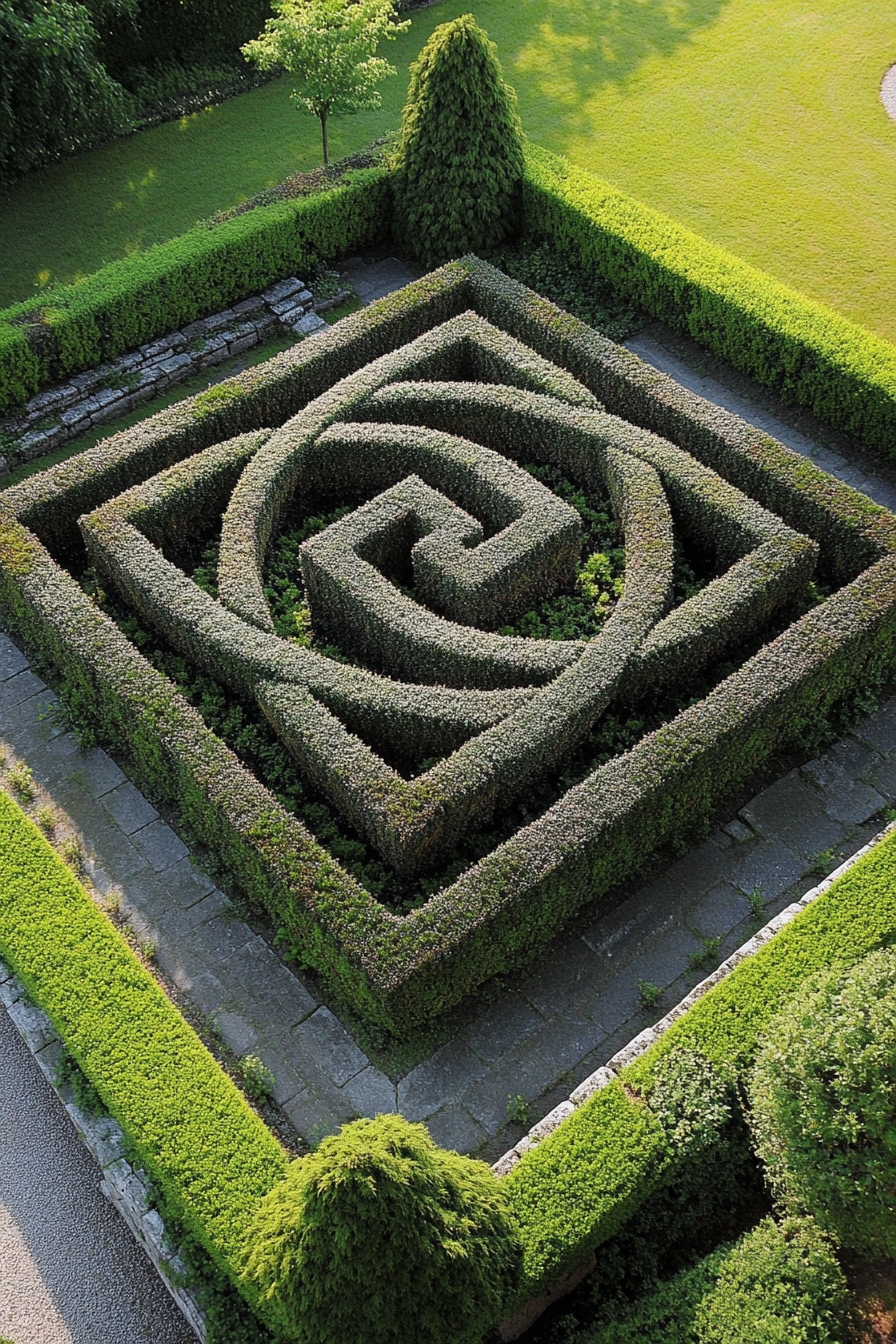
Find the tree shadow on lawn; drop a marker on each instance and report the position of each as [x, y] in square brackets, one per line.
[569, 49]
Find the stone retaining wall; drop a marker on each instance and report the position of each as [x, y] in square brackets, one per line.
[60, 414]
[124, 1185]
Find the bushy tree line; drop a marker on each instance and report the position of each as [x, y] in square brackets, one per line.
[56, 95]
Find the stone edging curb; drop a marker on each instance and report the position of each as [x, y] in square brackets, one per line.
[642, 1042]
[128, 1188]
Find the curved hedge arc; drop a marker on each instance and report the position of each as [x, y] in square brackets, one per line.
[504, 909]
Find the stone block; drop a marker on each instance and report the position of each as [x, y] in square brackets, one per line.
[455, 1129]
[243, 343]
[441, 1079]
[505, 1165]
[595, 1082]
[308, 325]
[12, 660]
[175, 364]
[550, 1122]
[11, 991]
[371, 1092]
[325, 1040]
[770, 865]
[129, 807]
[32, 1024]
[282, 290]
[633, 1050]
[501, 1026]
[159, 845]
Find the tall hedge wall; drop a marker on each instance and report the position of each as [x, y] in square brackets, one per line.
[504, 910]
[805, 351]
[73, 327]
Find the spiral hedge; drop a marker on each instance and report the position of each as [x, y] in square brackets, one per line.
[424, 407]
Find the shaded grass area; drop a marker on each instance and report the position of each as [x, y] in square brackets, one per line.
[755, 122]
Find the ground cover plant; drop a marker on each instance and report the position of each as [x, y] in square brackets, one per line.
[772, 105]
[474, 705]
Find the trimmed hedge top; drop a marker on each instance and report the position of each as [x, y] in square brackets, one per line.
[198, 1138]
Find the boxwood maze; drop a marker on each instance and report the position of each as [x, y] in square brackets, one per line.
[423, 716]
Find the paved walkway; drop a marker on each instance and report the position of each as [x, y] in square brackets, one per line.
[70, 1273]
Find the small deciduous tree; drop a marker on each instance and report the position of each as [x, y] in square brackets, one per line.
[380, 1236]
[329, 46]
[459, 162]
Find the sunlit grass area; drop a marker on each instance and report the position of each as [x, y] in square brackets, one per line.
[755, 122]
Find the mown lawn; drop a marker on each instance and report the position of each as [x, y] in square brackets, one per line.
[756, 122]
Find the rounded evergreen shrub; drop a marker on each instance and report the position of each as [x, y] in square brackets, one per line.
[459, 161]
[823, 1095]
[381, 1236]
[780, 1284]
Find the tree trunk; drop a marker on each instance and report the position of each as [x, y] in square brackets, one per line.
[323, 134]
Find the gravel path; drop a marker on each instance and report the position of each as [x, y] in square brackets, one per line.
[888, 92]
[70, 1271]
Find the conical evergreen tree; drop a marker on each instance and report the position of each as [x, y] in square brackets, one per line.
[459, 160]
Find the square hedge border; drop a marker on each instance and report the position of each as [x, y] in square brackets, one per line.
[505, 910]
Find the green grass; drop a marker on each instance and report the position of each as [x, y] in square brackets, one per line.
[755, 122]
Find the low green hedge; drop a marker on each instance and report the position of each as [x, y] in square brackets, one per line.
[505, 909]
[209, 1153]
[73, 327]
[613, 1138]
[808, 353]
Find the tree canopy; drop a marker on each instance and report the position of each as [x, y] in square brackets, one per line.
[329, 47]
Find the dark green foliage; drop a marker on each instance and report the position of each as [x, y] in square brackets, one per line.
[381, 1236]
[459, 161]
[181, 30]
[665, 1315]
[74, 327]
[823, 1096]
[542, 266]
[809, 354]
[55, 95]
[780, 1284]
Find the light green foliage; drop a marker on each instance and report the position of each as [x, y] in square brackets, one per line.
[211, 1155]
[329, 47]
[780, 1284]
[459, 161]
[823, 1094]
[381, 1236]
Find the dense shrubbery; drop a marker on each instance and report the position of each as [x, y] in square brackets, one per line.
[379, 1236]
[56, 96]
[213, 1158]
[780, 1284]
[73, 327]
[823, 1096]
[806, 352]
[459, 160]
[506, 908]
[604, 1164]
